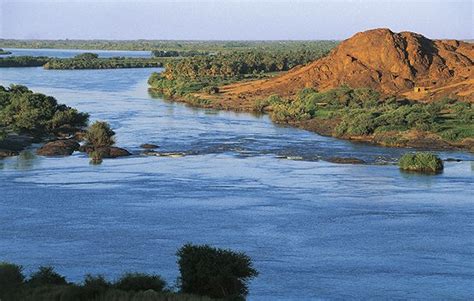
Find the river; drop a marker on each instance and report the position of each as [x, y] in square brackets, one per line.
[315, 230]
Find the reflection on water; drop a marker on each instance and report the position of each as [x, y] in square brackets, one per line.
[315, 229]
[25, 160]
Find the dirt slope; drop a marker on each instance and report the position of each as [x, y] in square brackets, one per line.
[392, 63]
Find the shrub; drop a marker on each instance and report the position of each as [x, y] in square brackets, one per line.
[68, 116]
[99, 134]
[96, 282]
[421, 162]
[140, 282]
[213, 272]
[46, 276]
[357, 122]
[11, 278]
[94, 286]
[464, 111]
[260, 105]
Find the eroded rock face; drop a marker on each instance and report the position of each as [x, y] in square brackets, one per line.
[391, 63]
[58, 148]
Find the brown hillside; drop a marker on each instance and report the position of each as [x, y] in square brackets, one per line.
[392, 63]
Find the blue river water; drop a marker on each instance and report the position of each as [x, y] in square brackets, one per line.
[315, 230]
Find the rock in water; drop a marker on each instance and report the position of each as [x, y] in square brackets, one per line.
[58, 148]
[113, 152]
[149, 146]
[342, 160]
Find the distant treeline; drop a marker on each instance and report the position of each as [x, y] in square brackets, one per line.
[92, 61]
[82, 61]
[200, 46]
[205, 73]
[23, 61]
[176, 53]
[206, 274]
[240, 63]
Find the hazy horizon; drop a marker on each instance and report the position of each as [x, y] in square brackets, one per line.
[229, 20]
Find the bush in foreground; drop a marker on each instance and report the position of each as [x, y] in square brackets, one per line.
[207, 274]
[140, 282]
[213, 272]
[11, 278]
[46, 276]
[421, 162]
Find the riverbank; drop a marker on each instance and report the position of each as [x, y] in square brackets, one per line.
[327, 120]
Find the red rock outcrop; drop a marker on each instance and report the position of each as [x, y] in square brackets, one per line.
[391, 63]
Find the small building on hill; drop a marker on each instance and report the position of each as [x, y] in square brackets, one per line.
[421, 89]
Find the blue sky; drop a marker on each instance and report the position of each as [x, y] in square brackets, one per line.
[230, 19]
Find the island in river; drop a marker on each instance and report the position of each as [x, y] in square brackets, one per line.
[82, 61]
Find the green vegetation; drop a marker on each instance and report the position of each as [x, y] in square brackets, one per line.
[46, 276]
[222, 273]
[23, 111]
[180, 46]
[206, 273]
[421, 162]
[11, 279]
[99, 134]
[92, 61]
[199, 73]
[140, 282]
[4, 52]
[23, 61]
[361, 112]
[98, 137]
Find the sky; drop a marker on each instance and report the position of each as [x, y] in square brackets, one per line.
[231, 19]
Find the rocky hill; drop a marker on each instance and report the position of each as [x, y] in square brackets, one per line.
[404, 64]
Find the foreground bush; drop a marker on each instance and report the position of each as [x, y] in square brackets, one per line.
[11, 279]
[213, 272]
[46, 276]
[206, 273]
[421, 162]
[140, 282]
